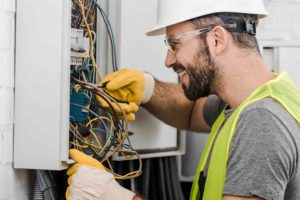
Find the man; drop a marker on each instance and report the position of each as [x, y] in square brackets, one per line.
[253, 149]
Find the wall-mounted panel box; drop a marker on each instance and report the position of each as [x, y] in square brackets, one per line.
[43, 41]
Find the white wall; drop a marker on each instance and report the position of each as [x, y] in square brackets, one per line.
[14, 184]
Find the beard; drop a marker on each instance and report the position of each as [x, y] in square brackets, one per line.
[203, 75]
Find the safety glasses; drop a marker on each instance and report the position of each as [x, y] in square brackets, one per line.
[172, 41]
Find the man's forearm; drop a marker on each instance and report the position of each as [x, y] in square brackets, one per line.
[169, 104]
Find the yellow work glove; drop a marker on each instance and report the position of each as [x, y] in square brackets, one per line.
[89, 180]
[129, 108]
[128, 85]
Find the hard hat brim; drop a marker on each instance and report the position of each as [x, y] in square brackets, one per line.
[161, 29]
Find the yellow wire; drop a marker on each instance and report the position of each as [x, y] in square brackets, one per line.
[93, 133]
[109, 120]
[91, 121]
[78, 145]
[95, 71]
[77, 87]
[90, 35]
[109, 164]
[97, 140]
[121, 135]
[83, 139]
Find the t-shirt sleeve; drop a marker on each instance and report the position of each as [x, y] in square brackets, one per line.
[261, 157]
[212, 109]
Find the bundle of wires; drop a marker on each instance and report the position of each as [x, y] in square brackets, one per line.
[102, 134]
[110, 34]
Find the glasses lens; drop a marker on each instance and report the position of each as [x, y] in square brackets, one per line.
[170, 44]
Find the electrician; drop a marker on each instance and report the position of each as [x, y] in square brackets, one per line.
[226, 88]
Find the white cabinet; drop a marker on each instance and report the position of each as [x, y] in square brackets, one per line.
[41, 132]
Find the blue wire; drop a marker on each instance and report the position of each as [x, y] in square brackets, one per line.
[95, 114]
[127, 137]
[112, 33]
[86, 67]
[98, 129]
[129, 143]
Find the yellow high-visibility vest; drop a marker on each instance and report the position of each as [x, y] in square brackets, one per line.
[281, 89]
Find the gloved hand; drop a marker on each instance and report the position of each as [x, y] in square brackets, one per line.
[89, 180]
[129, 85]
[129, 108]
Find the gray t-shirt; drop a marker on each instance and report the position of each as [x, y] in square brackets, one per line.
[264, 153]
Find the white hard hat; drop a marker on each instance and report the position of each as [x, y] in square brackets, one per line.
[171, 12]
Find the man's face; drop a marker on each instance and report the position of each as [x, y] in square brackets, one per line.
[201, 72]
[195, 66]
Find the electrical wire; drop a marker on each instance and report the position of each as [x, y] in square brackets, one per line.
[90, 35]
[102, 133]
[121, 135]
[110, 34]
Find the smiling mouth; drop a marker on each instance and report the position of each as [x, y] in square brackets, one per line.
[182, 73]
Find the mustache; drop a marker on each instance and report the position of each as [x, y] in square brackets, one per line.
[177, 67]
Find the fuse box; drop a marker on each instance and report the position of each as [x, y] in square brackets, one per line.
[53, 61]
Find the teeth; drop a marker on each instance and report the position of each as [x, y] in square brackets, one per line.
[182, 73]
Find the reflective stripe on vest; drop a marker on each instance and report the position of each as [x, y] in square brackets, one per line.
[281, 89]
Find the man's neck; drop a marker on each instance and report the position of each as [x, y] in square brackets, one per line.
[242, 77]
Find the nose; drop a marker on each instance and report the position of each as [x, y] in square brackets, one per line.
[170, 59]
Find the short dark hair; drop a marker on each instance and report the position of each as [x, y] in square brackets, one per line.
[241, 39]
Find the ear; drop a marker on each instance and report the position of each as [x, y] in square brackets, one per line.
[217, 40]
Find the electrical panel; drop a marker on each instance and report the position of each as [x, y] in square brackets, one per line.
[62, 53]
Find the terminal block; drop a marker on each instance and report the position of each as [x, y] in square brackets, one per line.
[80, 46]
